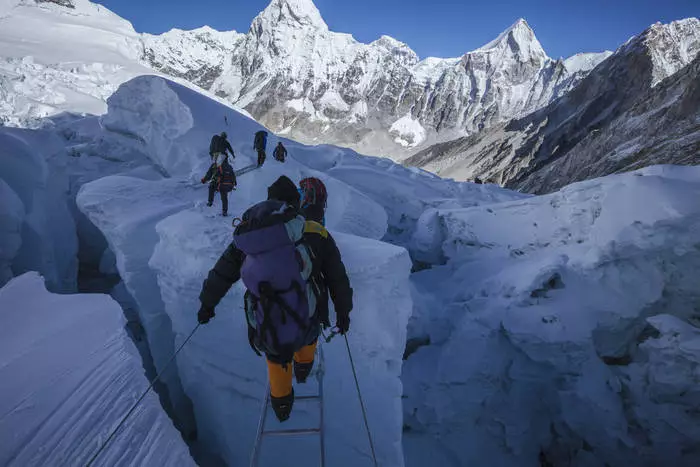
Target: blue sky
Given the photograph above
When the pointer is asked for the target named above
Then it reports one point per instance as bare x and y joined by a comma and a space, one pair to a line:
440, 28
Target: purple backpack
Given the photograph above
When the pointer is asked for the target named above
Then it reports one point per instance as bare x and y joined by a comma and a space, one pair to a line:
276, 270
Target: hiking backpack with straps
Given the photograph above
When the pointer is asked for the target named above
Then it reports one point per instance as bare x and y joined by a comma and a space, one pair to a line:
279, 301
228, 176
313, 192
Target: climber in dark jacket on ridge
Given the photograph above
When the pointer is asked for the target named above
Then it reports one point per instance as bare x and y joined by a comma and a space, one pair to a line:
328, 278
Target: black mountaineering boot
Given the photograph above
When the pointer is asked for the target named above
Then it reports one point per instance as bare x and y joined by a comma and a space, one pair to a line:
302, 371
283, 406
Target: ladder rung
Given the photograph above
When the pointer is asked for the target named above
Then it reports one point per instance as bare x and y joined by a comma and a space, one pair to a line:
297, 431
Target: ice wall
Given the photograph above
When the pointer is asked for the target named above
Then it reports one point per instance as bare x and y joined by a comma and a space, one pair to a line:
65, 389
11, 220
563, 328
126, 210
49, 242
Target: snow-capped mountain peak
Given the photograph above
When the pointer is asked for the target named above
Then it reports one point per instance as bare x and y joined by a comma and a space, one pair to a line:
519, 38
671, 46
295, 13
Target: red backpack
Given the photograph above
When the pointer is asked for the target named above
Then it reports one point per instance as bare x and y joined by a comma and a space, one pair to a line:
314, 192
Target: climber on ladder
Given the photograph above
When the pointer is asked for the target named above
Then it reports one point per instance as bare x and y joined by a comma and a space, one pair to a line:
290, 266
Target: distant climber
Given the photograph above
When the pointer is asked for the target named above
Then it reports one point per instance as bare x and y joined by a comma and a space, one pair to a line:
314, 199
289, 266
259, 145
218, 147
280, 153
221, 178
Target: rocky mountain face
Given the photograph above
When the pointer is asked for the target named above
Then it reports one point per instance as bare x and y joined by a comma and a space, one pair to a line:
638, 107
299, 78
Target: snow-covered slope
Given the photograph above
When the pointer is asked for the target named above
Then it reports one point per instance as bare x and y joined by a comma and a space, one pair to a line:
585, 61
638, 107
563, 329
64, 389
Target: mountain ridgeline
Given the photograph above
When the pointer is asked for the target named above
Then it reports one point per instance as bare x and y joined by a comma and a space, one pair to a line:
299, 78
505, 112
637, 108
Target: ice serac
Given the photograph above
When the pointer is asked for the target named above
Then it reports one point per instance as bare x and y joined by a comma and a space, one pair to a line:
227, 382
64, 390
156, 122
126, 210
11, 220
48, 239
564, 374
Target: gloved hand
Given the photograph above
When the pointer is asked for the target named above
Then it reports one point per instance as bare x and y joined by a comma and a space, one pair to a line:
205, 314
204, 180
342, 322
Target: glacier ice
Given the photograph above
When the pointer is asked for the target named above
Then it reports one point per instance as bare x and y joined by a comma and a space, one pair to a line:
11, 220
64, 389
126, 210
551, 321
49, 242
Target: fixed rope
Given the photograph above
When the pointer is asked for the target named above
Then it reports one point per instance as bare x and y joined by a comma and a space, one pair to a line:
362, 404
136, 404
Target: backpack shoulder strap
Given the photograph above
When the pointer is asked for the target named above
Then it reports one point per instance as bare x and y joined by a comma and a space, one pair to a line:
315, 227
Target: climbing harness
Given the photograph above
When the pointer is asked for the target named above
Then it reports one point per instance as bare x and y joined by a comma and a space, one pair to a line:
136, 404
262, 432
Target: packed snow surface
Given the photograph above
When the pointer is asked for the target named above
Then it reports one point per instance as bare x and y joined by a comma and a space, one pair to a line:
70, 374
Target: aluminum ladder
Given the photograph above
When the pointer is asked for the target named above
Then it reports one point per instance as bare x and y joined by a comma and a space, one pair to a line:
314, 431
